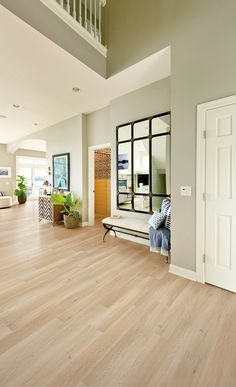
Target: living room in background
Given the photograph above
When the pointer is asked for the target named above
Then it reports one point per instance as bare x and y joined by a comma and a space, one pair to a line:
34, 170
143, 163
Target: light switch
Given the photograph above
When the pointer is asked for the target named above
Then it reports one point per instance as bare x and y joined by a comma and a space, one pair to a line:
185, 190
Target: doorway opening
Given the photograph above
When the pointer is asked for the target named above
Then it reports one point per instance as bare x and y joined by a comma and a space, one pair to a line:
35, 170
99, 182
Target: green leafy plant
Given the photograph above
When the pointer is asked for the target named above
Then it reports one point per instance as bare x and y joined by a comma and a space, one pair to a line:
20, 191
71, 205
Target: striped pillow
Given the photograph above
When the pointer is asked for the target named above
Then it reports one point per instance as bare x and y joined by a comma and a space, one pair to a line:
166, 210
157, 219
168, 219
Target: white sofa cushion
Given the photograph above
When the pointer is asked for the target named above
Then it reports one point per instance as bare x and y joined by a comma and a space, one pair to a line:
5, 201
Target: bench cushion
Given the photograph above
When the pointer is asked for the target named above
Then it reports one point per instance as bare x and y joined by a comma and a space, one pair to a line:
134, 224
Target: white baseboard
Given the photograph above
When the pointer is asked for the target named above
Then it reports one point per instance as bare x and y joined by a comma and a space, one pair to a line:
131, 238
84, 224
180, 271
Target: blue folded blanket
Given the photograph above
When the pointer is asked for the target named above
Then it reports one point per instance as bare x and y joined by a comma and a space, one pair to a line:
160, 240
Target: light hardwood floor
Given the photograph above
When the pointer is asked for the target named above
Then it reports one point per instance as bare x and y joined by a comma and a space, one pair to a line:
75, 312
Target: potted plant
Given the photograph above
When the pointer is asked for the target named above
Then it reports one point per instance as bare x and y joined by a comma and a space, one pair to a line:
71, 208
20, 191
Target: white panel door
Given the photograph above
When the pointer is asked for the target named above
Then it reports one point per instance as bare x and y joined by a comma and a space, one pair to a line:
220, 238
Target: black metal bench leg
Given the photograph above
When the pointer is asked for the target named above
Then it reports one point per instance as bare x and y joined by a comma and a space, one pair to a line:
107, 231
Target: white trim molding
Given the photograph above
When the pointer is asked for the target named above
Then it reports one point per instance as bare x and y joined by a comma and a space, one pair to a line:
202, 110
180, 271
75, 25
91, 177
84, 224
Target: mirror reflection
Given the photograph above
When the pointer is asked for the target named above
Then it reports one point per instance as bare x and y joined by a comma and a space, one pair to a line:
161, 124
125, 201
156, 203
124, 167
143, 164
141, 129
142, 203
124, 133
161, 165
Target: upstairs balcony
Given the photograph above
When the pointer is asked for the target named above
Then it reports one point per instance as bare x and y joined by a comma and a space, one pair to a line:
83, 16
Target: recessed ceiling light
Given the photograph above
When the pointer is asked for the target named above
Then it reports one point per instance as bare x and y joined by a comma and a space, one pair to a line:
2, 116
76, 89
35, 124
16, 106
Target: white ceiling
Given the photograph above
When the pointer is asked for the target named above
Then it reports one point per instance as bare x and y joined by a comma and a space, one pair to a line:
39, 75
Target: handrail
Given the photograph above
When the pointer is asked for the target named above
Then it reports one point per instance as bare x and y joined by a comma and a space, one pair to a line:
84, 16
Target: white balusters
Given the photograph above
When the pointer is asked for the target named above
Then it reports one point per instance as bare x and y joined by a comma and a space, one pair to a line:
100, 22
91, 16
88, 13
80, 11
74, 9
85, 14
95, 18
68, 6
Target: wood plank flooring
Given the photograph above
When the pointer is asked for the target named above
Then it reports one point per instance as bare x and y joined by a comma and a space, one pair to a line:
75, 312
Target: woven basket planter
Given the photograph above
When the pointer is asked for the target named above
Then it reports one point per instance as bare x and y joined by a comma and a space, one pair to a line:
70, 221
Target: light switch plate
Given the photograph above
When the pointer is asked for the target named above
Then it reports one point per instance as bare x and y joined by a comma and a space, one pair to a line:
186, 190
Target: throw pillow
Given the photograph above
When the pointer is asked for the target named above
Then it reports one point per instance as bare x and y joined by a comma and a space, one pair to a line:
165, 206
168, 219
157, 219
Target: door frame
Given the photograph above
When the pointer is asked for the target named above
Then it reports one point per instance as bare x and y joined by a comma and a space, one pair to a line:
202, 110
91, 179
33, 167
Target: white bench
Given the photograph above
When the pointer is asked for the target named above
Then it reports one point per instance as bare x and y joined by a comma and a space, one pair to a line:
130, 226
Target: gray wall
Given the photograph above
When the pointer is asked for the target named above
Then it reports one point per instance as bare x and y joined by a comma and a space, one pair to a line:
203, 61
101, 125
203, 69
9, 160
37, 15
98, 127
135, 29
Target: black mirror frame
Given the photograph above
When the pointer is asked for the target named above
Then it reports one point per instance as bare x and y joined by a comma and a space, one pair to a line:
132, 140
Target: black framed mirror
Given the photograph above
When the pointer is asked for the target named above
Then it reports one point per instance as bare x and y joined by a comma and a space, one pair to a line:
61, 171
143, 163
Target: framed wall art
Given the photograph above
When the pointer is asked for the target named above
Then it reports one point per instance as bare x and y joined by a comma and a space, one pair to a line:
61, 171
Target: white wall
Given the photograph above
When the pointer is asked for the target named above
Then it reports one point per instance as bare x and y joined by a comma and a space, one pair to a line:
69, 136
99, 127
9, 160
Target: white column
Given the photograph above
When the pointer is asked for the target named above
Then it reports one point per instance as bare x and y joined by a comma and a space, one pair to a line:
61, 3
